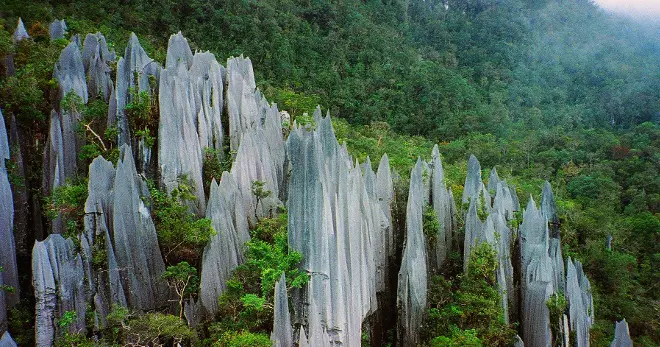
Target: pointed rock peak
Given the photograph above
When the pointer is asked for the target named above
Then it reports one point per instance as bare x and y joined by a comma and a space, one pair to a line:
384, 163
20, 33
282, 335
57, 29
473, 165
493, 180
178, 50
126, 158
4, 142
436, 151
531, 205
318, 114
622, 335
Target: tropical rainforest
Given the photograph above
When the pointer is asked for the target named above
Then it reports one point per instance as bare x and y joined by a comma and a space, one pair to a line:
555, 90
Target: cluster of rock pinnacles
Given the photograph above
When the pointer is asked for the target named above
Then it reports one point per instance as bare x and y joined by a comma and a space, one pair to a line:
340, 216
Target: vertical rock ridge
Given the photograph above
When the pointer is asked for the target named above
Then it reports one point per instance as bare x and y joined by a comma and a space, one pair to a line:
282, 335
412, 284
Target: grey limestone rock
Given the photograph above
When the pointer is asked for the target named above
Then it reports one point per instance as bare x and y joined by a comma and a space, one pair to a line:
333, 222
57, 29
536, 324
474, 188
135, 242
442, 205
135, 63
241, 100
70, 72
178, 51
20, 33
493, 180
225, 251
580, 316
473, 228
105, 283
96, 57
549, 209
621, 335
9, 274
282, 335
412, 283
7, 341
59, 286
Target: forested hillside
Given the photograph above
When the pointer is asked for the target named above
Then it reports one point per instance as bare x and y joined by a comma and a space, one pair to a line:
540, 89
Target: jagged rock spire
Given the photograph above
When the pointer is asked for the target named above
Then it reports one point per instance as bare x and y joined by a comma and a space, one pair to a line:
58, 278
332, 222
536, 324
7, 341
225, 251
20, 33
57, 29
96, 57
9, 273
549, 209
282, 335
442, 205
621, 335
412, 283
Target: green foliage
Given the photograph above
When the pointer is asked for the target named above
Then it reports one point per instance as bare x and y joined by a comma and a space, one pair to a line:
557, 306
212, 168
243, 339
144, 329
431, 225
5, 287
68, 201
247, 303
181, 235
467, 310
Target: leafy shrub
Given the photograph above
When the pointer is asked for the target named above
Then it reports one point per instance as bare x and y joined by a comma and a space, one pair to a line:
243, 339
181, 235
68, 201
184, 280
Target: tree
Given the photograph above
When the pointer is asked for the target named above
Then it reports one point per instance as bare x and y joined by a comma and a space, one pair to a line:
184, 280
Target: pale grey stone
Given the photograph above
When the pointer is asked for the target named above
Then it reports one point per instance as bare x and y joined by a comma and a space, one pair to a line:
20, 33
282, 335
7, 245
59, 287
7, 341
57, 29
412, 282
621, 335
442, 205
536, 324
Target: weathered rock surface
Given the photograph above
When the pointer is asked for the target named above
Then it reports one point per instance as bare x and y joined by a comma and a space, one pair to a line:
549, 209
96, 58
19, 190
104, 279
536, 324
282, 335
621, 335
9, 273
134, 70
59, 286
7, 341
20, 33
412, 284
57, 29
442, 205
225, 251
332, 223
135, 241
191, 103
241, 101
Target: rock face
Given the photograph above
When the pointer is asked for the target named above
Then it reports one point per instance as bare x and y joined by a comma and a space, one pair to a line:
580, 302
225, 251
191, 102
536, 327
96, 58
135, 241
58, 279
7, 341
104, 279
134, 70
443, 207
9, 273
57, 29
282, 335
621, 335
332, 222
241, 101
412, 284
20, 33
